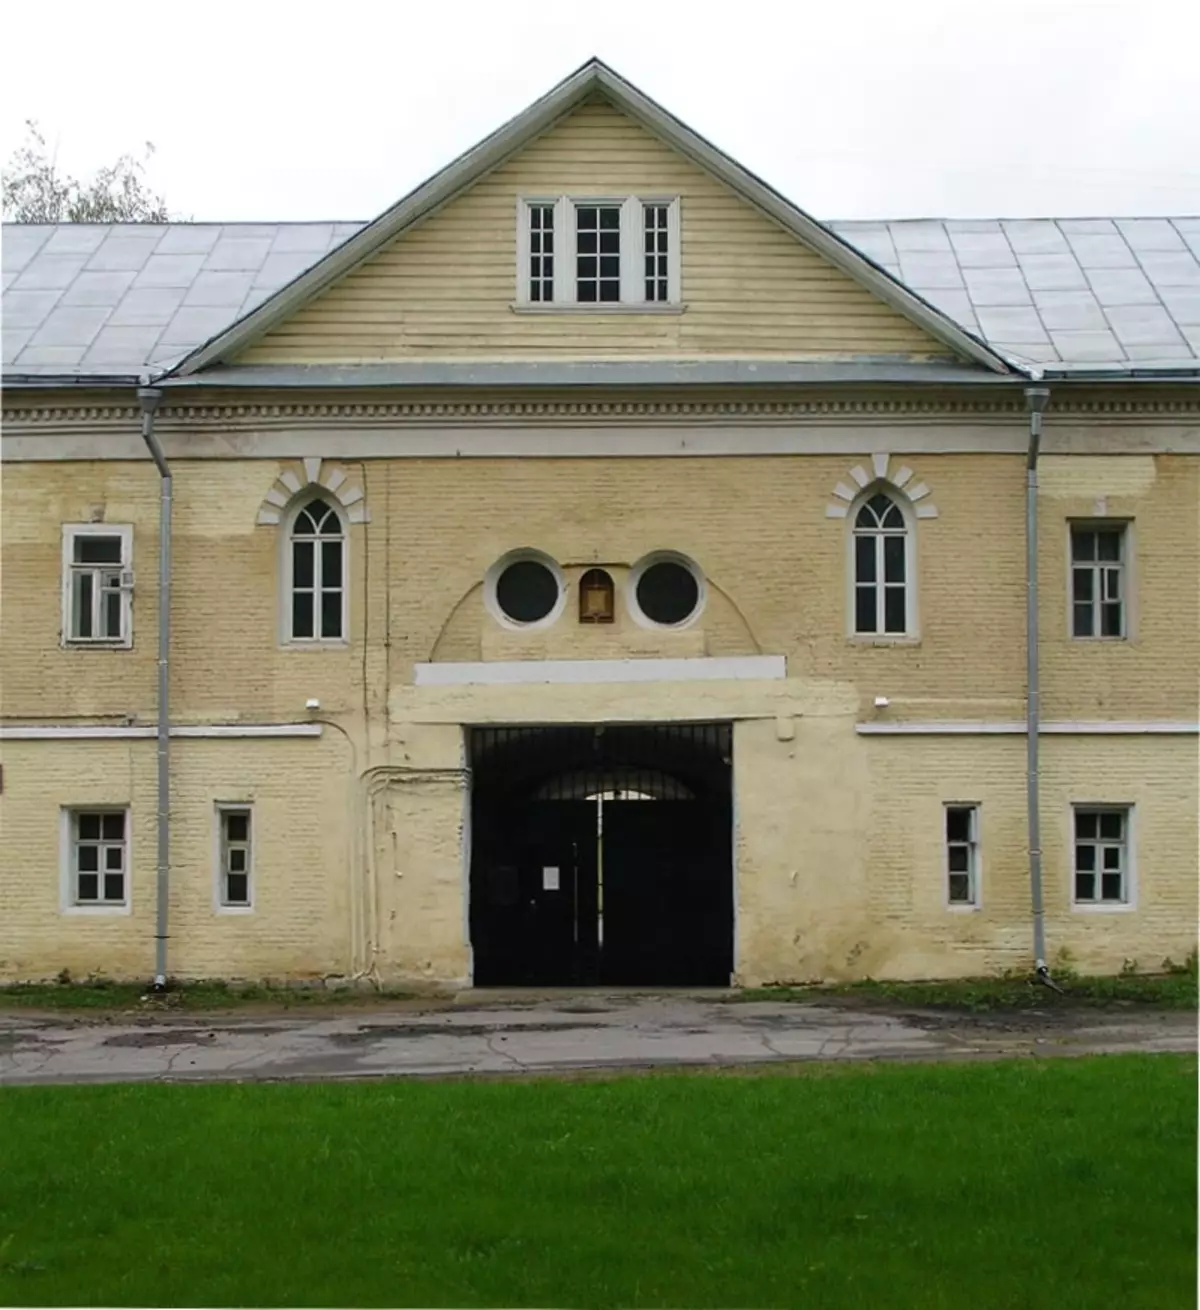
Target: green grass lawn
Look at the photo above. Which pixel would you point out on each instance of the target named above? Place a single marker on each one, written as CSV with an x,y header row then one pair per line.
x,y
1067,1183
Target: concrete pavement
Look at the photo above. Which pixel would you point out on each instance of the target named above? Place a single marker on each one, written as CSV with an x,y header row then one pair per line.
x,y
551,1035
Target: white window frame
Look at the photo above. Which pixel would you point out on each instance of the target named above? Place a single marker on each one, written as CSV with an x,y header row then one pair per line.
x,y
220,904
69,902
639,616
633,282
975,861
911,631
1125,528
1127,809
288,525
491,580
71,532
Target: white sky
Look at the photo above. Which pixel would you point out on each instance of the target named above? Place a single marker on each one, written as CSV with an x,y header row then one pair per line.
x,y
854,109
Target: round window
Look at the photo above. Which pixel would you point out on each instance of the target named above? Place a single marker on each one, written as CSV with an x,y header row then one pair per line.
x,y
668,593
526,591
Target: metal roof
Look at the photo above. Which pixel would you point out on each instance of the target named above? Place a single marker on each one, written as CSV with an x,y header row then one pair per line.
x,y
97,301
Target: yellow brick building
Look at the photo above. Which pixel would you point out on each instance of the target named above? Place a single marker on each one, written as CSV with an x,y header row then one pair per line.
x,y
595,570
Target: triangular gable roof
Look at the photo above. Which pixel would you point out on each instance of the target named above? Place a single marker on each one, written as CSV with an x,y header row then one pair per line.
x,y
594,76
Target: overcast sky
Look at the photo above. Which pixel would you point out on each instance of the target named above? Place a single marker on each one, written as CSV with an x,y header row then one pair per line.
x,y
854,109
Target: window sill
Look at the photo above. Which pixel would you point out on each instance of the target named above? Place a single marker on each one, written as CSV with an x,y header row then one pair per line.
x,y
881,639
88,910
596,307
1100,641
99,644
963,909
328,644
1087,907
234,910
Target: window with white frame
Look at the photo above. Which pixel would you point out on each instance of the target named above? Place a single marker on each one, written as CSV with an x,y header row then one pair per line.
x,y
316,574
619,251
1098,580
234,856
97,584
882,585
1101,855
98,857
962,854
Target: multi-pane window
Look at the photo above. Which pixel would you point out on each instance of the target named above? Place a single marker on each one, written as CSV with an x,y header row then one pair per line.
x,y
318,574
234,871
962,854
541,253
99,857
579,251
880,567
1098,581
597,253
97,584
654,247
1102,855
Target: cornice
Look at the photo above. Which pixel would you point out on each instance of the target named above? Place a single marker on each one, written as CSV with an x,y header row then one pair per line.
x,y
367,414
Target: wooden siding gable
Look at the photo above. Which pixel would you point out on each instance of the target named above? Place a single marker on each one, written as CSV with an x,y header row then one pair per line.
x,y
435,277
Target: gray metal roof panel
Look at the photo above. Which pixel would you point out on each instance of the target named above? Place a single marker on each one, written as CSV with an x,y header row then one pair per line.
x,y
1027,286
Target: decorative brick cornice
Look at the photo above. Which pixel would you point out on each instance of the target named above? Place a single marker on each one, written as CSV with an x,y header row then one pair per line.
x,y
368,414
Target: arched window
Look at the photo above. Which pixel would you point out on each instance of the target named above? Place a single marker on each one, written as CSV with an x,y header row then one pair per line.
x,y
882,567
316,574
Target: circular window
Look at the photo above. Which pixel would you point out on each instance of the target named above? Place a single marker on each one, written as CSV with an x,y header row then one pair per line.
x,y
525,590
667,591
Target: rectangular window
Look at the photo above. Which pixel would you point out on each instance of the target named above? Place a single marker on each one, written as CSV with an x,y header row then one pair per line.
x,y
597,253
962,854
655,251
615,251
1098,555
234,856
97,584
1101,855
99,857
541,253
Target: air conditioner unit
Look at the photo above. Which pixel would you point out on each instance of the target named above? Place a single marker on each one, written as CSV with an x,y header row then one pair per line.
x,y
126,579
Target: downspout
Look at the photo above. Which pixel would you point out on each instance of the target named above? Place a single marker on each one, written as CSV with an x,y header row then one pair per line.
x,y
1036,400
149,399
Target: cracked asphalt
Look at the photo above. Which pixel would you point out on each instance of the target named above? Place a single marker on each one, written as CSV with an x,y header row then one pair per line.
x,y
553,1035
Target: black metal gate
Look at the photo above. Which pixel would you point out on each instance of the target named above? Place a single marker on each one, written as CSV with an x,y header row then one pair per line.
x,y
602,854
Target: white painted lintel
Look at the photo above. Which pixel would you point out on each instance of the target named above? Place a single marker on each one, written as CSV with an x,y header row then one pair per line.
x,y
512,672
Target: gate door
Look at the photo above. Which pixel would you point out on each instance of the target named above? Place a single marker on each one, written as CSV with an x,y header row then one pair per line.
x,y
602,854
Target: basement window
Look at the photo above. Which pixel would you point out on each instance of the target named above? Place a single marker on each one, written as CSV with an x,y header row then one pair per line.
x,y
97,584
598,253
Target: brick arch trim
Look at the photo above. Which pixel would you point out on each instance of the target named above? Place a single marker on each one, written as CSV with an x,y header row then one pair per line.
x,y
901,478
325,475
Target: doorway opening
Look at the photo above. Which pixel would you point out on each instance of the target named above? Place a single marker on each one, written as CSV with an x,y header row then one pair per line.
x,y
602,855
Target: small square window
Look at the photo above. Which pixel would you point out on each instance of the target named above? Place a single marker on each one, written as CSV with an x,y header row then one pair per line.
x,y
98,858
234,857
962,854
1098,580
1101,856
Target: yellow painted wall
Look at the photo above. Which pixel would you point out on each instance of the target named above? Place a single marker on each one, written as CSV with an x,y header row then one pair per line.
x,y
446,288
839,865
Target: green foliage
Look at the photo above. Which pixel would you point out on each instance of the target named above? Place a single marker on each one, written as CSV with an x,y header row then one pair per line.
x,y
36,191
990,1185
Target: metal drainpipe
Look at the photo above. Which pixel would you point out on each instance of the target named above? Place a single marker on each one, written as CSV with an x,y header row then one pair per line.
x,y
1036,399
149,399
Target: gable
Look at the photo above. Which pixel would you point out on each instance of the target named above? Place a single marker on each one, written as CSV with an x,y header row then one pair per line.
x,y
446,288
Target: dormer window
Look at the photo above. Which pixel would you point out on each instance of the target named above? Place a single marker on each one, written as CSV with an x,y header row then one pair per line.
x,y
598,252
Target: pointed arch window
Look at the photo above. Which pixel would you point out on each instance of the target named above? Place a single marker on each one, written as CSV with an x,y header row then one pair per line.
x,y
316,574
882,568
